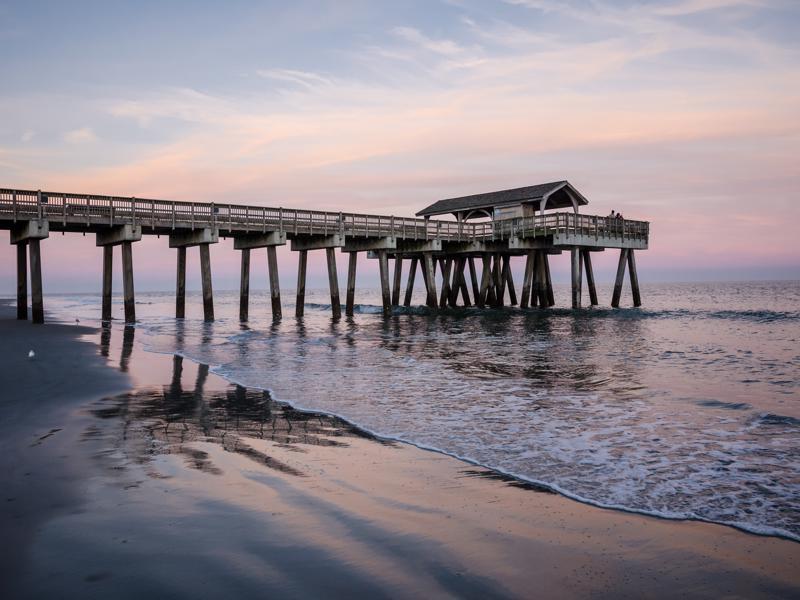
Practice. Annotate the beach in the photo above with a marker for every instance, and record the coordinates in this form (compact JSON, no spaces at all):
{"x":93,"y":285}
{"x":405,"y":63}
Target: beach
{"x":127,"y":472}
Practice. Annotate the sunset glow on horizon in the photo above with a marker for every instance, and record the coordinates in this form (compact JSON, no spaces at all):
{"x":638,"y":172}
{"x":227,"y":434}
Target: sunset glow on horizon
{"x":684,"y":113}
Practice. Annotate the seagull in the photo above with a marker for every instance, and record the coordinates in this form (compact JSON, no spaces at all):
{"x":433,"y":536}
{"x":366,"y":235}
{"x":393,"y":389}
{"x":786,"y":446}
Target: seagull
{"x":31,"y":354}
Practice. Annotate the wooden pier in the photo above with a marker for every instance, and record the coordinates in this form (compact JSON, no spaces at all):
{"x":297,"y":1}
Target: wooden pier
{"x":519,"y":225}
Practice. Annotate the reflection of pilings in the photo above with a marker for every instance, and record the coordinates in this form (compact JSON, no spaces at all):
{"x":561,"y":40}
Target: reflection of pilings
{"x":175,"y":386}
{"x":200,"y":382}
{"x":127,"y":348}
{"x":105,"y":339}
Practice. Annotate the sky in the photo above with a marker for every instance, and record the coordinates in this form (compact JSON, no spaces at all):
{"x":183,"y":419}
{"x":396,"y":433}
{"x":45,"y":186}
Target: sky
{"x":685,"y":113}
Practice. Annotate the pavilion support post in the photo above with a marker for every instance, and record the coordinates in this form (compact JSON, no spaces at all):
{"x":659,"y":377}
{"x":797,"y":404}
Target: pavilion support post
{"x":508,"y":280}
{"x":383,"y":267}
{"x":398,"y":279}
{"x":300,"y":300}
{"x":497,"y":280}
{"x":455,"y":285}
{"x":527,"y":280}
{"x":412,"y":272}
{"x":244,"y":286}
{"x":577,"y":277}
{"x":180,"y":285}
{"x":108,"y":266}
{"x":22,"y":281}
{"x":473,"y":276}
{"x":37,"y":303}
{"x":447,"y":267}
{"x":637,"y":298}
{"x":623,"y":258}
{"x":587,"y":265}
{"x":486,"y":277}
{"x":551,"y":301}
{"x":205,"y":276}
{"x":274,"y":282}
{"x":333,"y":283}
{"x":127,"y":282}
{"x":430,"y":279}
{"x":352,"y":263}
{"x":463,"y":282}
{"x":540,"y":284}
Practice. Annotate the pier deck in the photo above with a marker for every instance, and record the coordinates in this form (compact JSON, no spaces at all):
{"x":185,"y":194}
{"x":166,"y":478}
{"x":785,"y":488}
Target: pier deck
{"x":452,"y":246}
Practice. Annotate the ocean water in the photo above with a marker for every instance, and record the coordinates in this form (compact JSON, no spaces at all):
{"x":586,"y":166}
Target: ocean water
{"x":687,"y":408}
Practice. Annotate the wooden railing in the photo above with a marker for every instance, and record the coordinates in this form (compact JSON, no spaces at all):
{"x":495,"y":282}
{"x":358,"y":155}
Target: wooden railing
{"x":237,"y":218}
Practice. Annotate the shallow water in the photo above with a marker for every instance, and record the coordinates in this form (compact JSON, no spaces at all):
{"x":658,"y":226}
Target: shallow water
{"x":688,"y":407}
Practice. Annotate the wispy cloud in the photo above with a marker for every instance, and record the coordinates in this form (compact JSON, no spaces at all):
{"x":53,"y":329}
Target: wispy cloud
{"x":301,"y":78}
{"x":83,"y":135}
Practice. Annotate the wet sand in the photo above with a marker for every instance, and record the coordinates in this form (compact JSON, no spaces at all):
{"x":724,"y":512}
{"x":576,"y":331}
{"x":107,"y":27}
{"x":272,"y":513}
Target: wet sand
{"x":127,"y":473}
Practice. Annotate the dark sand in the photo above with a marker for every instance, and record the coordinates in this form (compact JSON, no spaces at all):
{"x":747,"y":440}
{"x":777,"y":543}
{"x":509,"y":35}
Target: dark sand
{"x":126,"y":474}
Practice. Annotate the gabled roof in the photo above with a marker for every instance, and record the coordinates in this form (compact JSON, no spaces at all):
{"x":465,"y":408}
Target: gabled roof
{"x":558,"y":193}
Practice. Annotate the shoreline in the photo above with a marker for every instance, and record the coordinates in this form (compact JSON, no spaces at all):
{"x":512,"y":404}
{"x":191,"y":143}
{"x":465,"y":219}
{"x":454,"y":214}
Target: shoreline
{"x":520,"y":479}
{"x":534,"y":534}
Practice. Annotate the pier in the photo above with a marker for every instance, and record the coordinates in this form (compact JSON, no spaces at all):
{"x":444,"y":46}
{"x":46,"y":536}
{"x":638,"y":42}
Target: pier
{"x":472,"y":254}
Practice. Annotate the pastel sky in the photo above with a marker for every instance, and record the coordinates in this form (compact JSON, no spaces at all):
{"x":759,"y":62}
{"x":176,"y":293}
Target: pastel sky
{"x":685,"y":113}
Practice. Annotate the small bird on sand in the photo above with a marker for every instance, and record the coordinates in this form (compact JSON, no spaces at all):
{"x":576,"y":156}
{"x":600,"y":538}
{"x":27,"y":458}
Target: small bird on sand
{"x":31,"y":354}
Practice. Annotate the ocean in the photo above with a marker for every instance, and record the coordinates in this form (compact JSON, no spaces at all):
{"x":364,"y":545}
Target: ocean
{"x":686,"y":408}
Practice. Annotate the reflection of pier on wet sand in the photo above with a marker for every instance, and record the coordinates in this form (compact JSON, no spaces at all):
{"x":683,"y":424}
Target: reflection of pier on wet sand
{"x":222,"y":480}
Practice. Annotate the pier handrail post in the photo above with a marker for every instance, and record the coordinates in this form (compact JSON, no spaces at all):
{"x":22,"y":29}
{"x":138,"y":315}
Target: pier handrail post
{"x":280,"y":219}
{"x":133,"y":211}
{"x":39,"y":204}
{"x":14,"y":203}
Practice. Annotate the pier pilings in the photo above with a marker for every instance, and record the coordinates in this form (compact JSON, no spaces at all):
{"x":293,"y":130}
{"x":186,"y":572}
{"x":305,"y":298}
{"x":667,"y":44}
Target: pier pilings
{"x":202,"y":238}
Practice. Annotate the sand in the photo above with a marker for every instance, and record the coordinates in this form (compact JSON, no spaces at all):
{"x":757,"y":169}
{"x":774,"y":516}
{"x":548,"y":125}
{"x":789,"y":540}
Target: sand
{"x":126,"y":473}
